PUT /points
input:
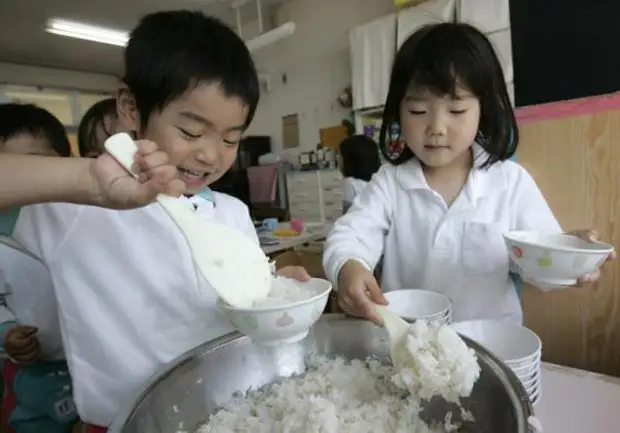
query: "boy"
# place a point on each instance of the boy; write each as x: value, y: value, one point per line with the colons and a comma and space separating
x: 38, y: 387
x: 130, y: 299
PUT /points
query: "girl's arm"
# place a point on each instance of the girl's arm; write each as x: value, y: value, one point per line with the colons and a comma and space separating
x: 360, y: 234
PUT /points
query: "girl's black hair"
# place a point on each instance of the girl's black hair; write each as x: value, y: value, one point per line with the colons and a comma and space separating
x: 16, y: 119
x: 94, y: 117
x: 360, y: 157
x: 440, y: 58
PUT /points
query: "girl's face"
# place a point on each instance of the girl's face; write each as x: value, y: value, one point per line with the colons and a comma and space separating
x: 439, y: 130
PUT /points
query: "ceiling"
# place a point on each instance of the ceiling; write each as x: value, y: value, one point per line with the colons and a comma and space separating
x: 28, y: 42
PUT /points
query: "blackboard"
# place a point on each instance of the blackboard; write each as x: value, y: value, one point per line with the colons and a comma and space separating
x: 564, y: 49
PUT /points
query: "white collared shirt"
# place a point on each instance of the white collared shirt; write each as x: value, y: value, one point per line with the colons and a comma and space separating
x: 129, y: 297
x: 458, y: 251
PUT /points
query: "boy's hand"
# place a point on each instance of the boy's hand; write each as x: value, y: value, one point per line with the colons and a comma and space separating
x: 358, y: 290
x: 591, y: 236
x: 114, y: 187
x: 298, y: 273
x: 22, y: 345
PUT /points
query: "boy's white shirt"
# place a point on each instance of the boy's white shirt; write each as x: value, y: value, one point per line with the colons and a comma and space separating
x: 29, y: 299
x: 457, y: 251
x: 130, y: 299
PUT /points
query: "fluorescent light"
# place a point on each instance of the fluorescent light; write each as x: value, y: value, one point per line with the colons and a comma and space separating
x: 281, y: 32
x: 87, y: 32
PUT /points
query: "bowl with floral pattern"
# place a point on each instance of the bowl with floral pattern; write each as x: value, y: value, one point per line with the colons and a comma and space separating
x: 288, y: 322
x: 554, y: 260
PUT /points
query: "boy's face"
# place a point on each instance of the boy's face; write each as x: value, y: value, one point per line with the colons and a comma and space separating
x: 200, y: 132
x: 27, y: 144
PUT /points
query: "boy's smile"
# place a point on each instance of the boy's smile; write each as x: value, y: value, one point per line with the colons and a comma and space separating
x: 200, y: 131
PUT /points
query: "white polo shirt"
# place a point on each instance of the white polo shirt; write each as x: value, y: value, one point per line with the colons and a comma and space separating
x: 29, y: 299
x: 130, y: 299
x: 458, y: 251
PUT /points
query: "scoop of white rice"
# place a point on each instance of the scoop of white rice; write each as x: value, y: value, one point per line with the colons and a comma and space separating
x: 285, y: 291
x: 440, y: 363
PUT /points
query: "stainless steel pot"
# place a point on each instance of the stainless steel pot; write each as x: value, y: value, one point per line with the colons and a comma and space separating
x: 189, y: 389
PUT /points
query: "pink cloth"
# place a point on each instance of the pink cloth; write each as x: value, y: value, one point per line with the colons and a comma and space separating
x: 263, y: 180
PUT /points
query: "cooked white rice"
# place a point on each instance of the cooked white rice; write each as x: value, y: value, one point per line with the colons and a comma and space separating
x: 285, y: 291
x: 336, y: 396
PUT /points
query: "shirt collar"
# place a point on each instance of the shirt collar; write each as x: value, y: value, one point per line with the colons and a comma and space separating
x: 481, y: 181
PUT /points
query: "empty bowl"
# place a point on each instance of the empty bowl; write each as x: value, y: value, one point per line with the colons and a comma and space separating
x: 281, y: 324
x: 415, y: 304
x: 552, y: 261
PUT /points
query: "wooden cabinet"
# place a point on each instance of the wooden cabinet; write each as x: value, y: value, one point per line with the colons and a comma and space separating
x: 315, y: 196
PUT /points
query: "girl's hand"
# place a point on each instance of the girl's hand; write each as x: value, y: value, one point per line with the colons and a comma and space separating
x: 591, y: 236
x: 113, y: 187
x: 298, y: 273
x: 358, y: 290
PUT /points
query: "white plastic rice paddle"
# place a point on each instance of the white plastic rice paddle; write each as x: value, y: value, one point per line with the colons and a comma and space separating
x: 236, y: 267
x: 398, y: 330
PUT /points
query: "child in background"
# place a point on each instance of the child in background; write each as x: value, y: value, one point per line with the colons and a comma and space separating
x: 129, y: 297
x: 438, y: 210
x: 99, y: 122
x: 38, y: 394
x: 360, y: 160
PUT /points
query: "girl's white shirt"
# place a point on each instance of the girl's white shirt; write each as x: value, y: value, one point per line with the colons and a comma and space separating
x: 129, y: 297
x: 352, y: 188
x: 458, y: 251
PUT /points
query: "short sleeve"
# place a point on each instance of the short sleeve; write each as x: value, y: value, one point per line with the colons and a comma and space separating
x: 40, y: 229
x: 531, y: 211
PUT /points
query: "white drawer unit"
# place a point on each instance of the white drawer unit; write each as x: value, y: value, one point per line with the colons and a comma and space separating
x: 315, y: 196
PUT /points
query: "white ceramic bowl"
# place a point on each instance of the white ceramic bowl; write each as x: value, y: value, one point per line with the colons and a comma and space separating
x: 414, y: 304
x: 281, y: 324
x: 552, y: 261
x: 512, y: 343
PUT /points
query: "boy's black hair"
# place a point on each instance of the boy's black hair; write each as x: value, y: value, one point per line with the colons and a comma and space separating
x: 439, y: 57
x: 360, y: 157
x: 171, y: 52
x: 17, y: 119
x: 92, y: 119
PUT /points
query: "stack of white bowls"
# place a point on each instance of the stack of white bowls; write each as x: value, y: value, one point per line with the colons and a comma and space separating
x: 414, y: 304
x: 516, y: 345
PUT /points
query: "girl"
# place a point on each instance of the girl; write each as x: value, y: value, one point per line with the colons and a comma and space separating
x: 360, y: 160
x: 438, y: 210
x: 98, y: 123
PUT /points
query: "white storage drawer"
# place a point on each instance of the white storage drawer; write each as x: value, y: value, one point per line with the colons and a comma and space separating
x: 316, y: 196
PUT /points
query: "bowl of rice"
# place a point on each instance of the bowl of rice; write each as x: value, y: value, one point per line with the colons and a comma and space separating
x: 286, y: 315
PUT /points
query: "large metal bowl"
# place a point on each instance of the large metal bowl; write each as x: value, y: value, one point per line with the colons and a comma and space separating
x: 185, y: 393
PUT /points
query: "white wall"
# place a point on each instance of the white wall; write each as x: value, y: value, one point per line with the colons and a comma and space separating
x: 316, y: 62
x: 11, y: 73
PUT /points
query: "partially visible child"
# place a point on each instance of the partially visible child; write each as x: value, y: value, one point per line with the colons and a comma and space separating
x: 438, y: 210
x: 129, y: 296
x: 359, y: 161
x: 98, y: 123
x: 38, y: 395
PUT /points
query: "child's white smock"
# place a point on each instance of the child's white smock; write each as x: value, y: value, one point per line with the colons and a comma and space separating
x: 29, y: 299
x: 458, y: 251
x: 352, y: 187
x: 129, y: 297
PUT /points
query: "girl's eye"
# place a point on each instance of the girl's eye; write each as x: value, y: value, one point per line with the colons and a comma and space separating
x: 457, y: 112
x: 188, y: 135
x: 417, y: 112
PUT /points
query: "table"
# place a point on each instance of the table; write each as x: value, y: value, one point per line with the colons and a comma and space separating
x: 577, y: 401
x: 313, y: 233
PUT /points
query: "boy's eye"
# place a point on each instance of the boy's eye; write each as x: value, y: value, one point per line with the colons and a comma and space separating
x: 188, y: 135
x: 230, y: 142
